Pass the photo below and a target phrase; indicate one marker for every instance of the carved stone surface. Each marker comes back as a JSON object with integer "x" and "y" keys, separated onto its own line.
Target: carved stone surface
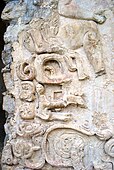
{"x": 60, "y": 85}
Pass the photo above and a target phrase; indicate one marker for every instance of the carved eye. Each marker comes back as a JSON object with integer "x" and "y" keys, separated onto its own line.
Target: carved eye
{"x": 52, "y": 68}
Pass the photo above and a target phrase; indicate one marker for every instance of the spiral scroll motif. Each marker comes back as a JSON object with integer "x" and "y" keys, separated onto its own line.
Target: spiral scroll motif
{"x": 25, "y": 71}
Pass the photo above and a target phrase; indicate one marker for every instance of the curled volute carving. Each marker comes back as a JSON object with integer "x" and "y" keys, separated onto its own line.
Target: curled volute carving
{"x": 109, "y": 147}
{"x": 25, "y": 71}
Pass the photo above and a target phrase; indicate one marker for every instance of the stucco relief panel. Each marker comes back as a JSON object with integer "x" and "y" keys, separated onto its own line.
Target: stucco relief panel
{"x": 59, "y": 72}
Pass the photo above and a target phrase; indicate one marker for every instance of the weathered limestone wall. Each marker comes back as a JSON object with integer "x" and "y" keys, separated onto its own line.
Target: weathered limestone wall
{"x": 59, "y": 75}
{"x": 2, "y": 86}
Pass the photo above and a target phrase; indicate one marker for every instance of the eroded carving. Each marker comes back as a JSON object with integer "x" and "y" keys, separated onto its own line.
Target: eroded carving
{"x": 23, "y": 149}
{"x": 92, "y": 47}
{"x": 27, "y": 91}
{"x": 27, "y": 129}
{"x": 84, "y": 38}
{"x": 7, "y": 157}
{"x": 77, "y": 62}
{"x": 79, "y": 10}
{"x": 40, "y": 38}
{"x": 27, "y": 111}
{"x": 104, "y": 166}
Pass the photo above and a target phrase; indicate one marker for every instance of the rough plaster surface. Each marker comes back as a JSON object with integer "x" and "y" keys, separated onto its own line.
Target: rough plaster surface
{"x": 59, "y": 76}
